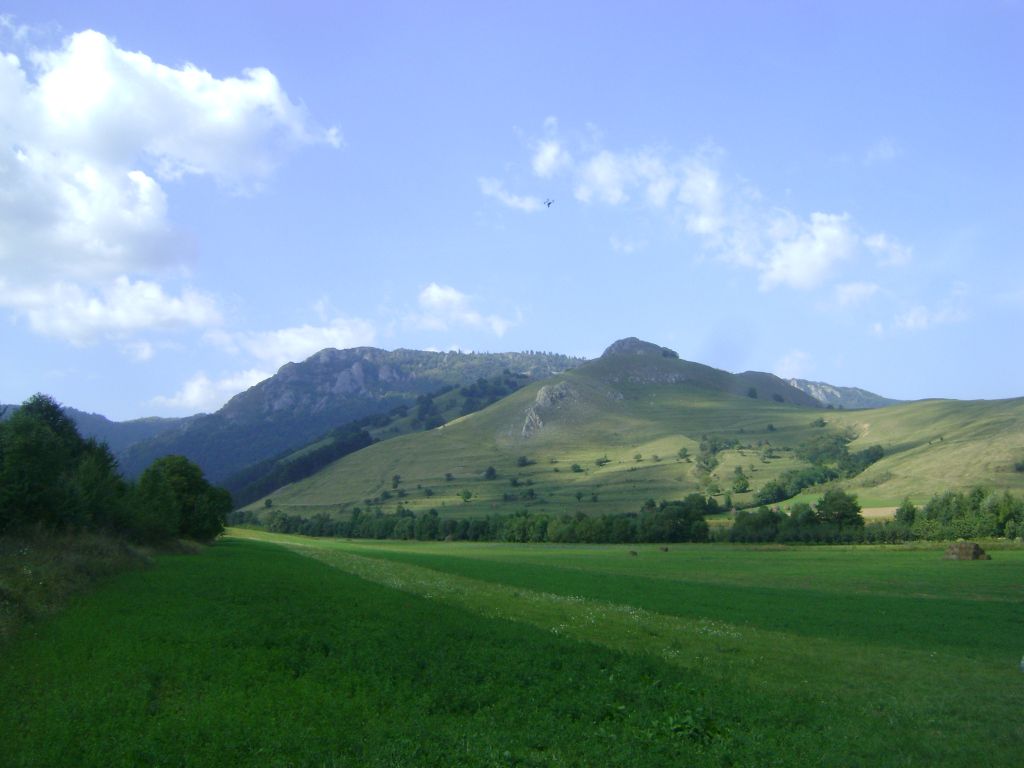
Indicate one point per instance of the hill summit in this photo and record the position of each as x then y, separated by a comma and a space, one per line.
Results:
635, 346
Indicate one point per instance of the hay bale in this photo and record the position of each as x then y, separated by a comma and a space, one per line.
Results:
965, 550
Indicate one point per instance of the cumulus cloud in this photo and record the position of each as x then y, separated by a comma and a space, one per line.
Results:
803, 252
549, 158
494, 188
442, 307
90, 136
202, 394
67, 311
294, 344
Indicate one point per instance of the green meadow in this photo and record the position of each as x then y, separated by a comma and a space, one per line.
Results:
273, 650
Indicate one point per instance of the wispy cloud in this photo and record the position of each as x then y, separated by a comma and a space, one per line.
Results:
202, 394
496, 189
855, 294
442, 307
882, 151
729, 218
284, 345
921, 318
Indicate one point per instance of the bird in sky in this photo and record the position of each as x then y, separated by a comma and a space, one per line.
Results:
548, 202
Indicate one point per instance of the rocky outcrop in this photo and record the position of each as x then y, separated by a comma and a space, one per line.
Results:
550, 397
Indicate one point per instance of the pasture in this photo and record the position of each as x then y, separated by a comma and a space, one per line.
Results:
277, 650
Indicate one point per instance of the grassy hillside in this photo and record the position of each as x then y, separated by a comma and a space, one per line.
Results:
608, 435
937, 444
623, 438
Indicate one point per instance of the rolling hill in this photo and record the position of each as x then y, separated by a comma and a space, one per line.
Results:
639, 423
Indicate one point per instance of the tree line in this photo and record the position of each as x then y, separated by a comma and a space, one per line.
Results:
665, 521
54, 479
947, 516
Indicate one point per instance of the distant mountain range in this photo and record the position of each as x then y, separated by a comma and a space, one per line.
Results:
306, 400
639, 423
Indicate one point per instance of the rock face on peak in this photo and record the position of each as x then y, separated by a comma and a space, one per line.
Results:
634, 346
842, 397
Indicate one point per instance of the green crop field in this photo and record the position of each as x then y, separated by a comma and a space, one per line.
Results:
272, 650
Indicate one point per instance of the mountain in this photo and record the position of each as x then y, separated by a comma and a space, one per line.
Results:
615, 430
640, 423
305, 400
119, 435
842, 397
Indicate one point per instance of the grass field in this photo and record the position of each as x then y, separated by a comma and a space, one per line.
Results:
274, 651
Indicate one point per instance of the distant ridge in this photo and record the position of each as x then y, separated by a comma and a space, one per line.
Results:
302, 401
842, 397
119, 435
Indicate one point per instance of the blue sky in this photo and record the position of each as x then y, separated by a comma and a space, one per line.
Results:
193, 194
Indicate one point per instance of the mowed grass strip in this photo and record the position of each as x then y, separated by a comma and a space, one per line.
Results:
825, 593
251, 655
871, 703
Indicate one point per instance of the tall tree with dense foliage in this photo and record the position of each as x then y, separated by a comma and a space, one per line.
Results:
199, 507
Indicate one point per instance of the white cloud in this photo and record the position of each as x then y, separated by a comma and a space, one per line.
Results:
201, 394
442, 307
803, 252
890, 252
731, 221
702, 195
90, 134
67, 311
549, 158
604, 176
286, 345
494, 188
793, 365
853, 294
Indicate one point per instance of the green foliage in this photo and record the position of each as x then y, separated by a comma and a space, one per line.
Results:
199, 508
490, 473
839, 508
761, 525
676, 520
740, 481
